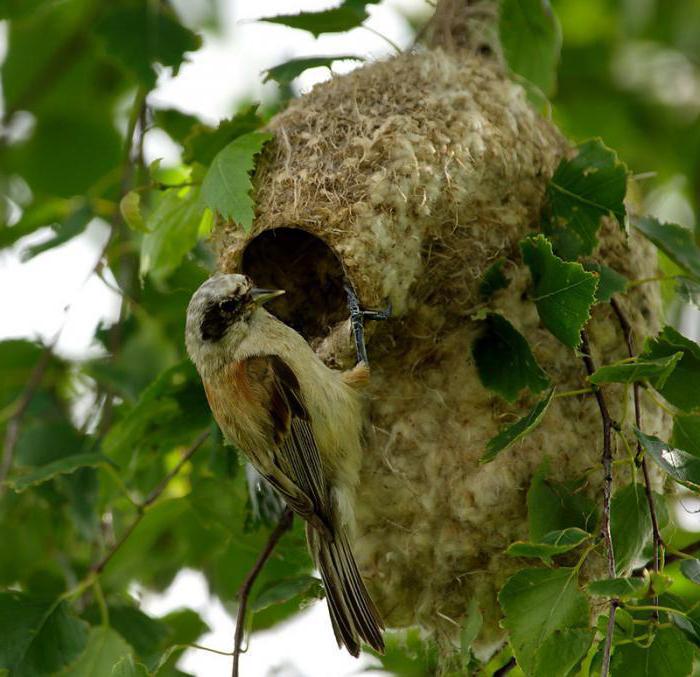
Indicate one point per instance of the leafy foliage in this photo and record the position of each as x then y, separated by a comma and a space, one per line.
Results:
284, 73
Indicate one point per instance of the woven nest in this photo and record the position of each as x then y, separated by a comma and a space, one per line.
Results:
410, 177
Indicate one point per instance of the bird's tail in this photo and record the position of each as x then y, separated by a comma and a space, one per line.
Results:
353, 613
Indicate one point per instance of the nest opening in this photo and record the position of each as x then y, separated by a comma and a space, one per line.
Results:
307, 269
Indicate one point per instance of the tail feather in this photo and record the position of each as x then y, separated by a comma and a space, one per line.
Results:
353, 614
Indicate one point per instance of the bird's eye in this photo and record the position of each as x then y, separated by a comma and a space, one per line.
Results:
229, 305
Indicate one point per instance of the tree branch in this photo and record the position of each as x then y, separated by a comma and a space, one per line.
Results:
284, 525
607, 495
98, 567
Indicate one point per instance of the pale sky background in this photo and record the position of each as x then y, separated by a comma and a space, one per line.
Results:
223, 72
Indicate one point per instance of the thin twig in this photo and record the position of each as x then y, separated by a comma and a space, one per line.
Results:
607, 495
505, 669
284, 525
150, 499
13, 425
639, 458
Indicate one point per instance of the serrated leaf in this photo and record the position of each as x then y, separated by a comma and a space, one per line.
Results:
679, 464
553, 543
582, 191
555, 506
537, 603
639, 369
620, 588
138, 34
690, 568
564, 292
512, 433
630, 526
676, 242
349, 15
531, 40
669, 654
63, 466
38, 636
504, 360
686, 433
226, 188
202, 143
105, 648
610, 282
307, 587
493, 279
681, 387
562, 651
173, 229
130, 208
284, 73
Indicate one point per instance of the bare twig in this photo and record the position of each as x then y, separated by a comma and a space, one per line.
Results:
639, 458
607, 495
505, 669
99, 566
13, 425
284, 525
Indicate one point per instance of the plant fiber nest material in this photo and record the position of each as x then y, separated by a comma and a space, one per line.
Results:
418, 172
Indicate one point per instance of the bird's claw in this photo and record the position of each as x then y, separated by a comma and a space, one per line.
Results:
357, 318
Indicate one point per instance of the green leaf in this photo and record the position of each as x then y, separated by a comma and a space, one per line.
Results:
127, 668
620, 588
537, 603
676, 242
680, 388
553, 543
139, 33
669, 654
610, 282
226, 187
471, 626
306, 587
202, 143
349, 15
63, 466
104, 650
173, 229
284, 73
637, 370
583, 190
564, 292
531, 39
690, 568
630, 526
176, 124
679, 464
504, 360
493, 279
512, 433
130, 208
686, 433
64, 231
556, 506
688, 290
38, 636
562, 651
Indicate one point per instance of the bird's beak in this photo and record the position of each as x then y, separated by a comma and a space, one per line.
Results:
261, 296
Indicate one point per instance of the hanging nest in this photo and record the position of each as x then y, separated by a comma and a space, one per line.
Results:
410, 177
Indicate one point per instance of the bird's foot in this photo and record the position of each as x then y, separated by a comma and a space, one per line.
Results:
357, 320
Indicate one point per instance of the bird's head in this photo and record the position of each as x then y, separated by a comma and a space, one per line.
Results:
220, 314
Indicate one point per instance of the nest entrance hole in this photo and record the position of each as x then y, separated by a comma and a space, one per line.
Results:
310, 273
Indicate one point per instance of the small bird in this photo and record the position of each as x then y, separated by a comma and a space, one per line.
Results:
300, 424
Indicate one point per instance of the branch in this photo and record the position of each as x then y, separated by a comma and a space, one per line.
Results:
629, 339
13, 425
505, 669
284, 525
607, 496
98, 567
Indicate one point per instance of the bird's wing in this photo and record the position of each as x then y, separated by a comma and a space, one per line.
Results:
296, 458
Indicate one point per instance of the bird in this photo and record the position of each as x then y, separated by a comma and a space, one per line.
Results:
300, 424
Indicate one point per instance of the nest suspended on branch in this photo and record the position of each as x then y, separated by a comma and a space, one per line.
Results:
410, 177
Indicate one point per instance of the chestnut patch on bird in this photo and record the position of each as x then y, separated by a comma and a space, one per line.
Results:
309, 272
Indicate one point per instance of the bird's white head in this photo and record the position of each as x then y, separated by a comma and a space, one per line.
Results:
219, 318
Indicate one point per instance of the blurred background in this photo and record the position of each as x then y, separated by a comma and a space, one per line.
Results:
72, 277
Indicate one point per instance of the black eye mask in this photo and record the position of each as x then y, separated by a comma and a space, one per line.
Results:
218, 317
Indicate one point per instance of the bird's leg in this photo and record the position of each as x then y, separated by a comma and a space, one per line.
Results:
357, 319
